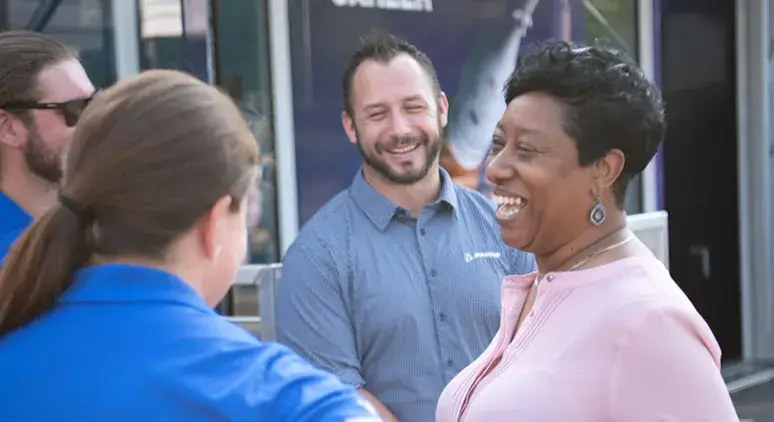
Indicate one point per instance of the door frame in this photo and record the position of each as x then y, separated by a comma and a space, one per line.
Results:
646, 57
126, 37
283, 122
754, 161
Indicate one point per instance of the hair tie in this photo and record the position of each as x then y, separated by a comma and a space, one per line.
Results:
84, 215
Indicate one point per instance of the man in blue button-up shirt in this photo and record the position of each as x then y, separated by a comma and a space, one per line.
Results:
43, 91
394, 285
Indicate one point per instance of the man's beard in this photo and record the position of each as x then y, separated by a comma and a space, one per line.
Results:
41, 161
380, 165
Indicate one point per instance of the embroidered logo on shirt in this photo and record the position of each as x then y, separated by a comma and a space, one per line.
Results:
481, 255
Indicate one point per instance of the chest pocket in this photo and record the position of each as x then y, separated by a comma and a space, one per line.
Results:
388, 292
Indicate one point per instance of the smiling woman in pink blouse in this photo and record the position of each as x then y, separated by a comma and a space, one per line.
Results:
601, 332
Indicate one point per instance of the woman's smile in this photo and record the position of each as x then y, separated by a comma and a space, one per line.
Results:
509, 207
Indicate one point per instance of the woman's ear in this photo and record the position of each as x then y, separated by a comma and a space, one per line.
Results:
609, 168
214, 226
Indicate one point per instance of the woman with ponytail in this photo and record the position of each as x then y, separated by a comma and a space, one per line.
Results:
106, 301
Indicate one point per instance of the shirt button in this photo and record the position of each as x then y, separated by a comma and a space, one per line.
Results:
422, 232
550, 277
442, 316
433, 273
449, 363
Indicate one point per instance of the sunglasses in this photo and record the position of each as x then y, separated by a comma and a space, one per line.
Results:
70, 110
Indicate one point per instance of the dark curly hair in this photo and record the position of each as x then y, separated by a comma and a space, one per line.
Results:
610, 103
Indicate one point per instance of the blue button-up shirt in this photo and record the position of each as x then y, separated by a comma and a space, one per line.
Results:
129, 343
395, 304
13, 221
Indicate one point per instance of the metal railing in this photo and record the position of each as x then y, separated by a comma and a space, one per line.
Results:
264, 278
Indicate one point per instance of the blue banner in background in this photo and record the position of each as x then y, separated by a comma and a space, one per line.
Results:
473, 44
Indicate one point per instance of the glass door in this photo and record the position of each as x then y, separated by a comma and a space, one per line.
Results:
224, 42
240, 61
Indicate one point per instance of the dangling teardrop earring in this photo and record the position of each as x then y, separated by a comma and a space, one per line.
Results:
597, 214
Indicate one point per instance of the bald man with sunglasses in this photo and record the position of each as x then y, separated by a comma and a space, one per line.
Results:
43, 91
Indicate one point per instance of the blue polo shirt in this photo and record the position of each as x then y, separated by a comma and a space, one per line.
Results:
130, 343
13, 221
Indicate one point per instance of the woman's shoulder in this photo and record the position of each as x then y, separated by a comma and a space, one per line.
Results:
640, 280
639, 293
647, 301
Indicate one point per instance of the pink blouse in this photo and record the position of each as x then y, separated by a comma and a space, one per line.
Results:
618, 342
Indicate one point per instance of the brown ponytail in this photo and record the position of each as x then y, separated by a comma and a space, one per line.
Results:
148, 159
40, 267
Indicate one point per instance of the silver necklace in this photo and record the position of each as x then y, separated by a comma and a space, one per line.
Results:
592, 255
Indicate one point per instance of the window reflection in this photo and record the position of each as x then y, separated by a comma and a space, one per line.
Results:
262, 237
174, 34
241, 63
83, 25
614, 23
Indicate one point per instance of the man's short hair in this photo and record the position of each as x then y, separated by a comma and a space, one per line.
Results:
383, 47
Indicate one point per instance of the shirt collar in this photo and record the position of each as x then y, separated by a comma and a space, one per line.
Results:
12, 216
130, 283
381, 210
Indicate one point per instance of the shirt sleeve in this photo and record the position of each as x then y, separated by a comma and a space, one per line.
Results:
521, 262
309, 394
666, 370
312, 315
216, 370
